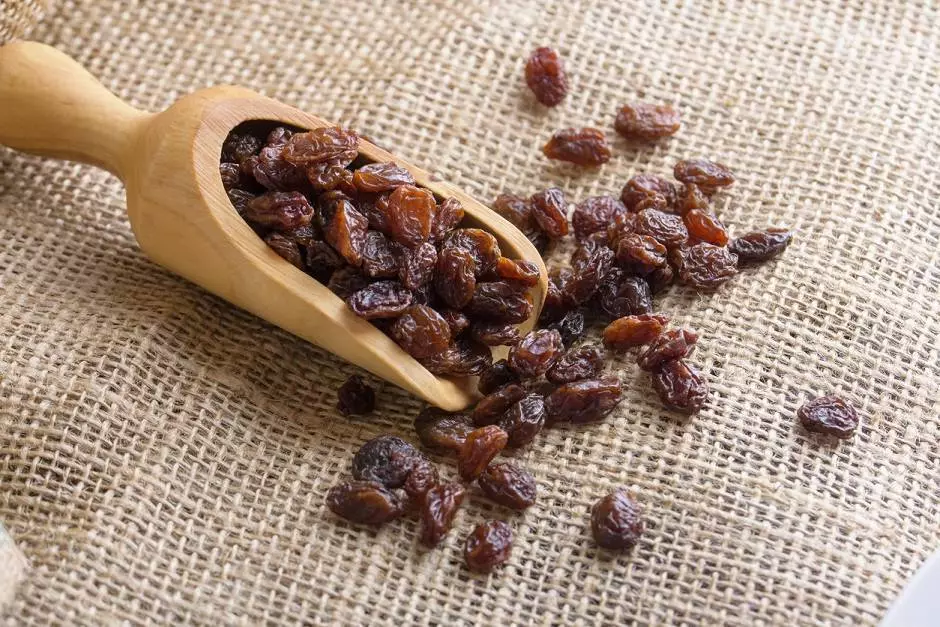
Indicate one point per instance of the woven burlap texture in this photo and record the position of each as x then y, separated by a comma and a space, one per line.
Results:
18, 16
164, 457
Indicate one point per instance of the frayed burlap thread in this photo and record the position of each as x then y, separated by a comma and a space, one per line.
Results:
164, 457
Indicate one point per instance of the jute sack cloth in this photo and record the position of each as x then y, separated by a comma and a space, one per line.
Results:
164, 457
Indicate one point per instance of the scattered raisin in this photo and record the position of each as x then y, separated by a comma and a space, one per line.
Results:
495, 334
421, 479
496, 376
643, 186
385, 460
580, 146
666, 346
489, 545
421, 332
549, 210
630, 331
589, 275
578, 363
382, 299
545, 76
646, 121
571, 326
365, 502
830, 415
355, 396
508, 485
381, 177
439, 508
535, 353
707, 175
479, 449
285, 247
622, 295
410, 214
595, 214
516, 209
680, 386
454, 278
587, 400
706, 266
760, 245
524, 420
499, 301
491, 407
279, 210
439, 429
667, 228
704, 226
617, 521
640, 254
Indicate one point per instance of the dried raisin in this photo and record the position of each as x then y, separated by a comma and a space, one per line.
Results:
535, 353
496, 376
385, 460
578, 363
524, 420
830, 415
760, 246
442, 430
454, 278
704, 226
680, 386
595, 214
646, 121
479, 449
644, 186
382, 299
355, 396
666, 346
545, 76
707, 175
495, 334
508, 485
438, 511
580, 146
706, 266
587, 400
346, 232
421, 332
549, 210
381, 177
410, 215
617, 521
630, 331
491, 407
489, 545
279, 210
365, 502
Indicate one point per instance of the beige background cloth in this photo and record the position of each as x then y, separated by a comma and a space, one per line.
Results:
164, 457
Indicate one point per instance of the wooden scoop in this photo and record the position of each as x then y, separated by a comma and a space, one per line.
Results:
182, 217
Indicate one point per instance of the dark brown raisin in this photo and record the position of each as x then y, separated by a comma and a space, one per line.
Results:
410, 214
285, 247
640, 254
239, 146
630, 331
271, 170
417, 265
830, 415
355, 396
556, 303
302, 236
346, 232
489, 545
516, 209
524, 420
589, 276
495, 334
645, 121
321, 257
587, 400
439, 429
595, 214
508, 485
454, 277
378, 257
667, 228
691, 197
456, 320
499, 301
496, 376
643, 186
438, 511
580, 146
666, 346
420, 480
707, 267
320, 145
365, 502
760, 245
624, 295
479, 449
521, 271
346, 281
585, 362
386, 460
231, 176
375, 208
660, 278
617, 521
482, 246
571, 326
545, 76
550, 212
680, 386
449, 214
240, 199
535, 353
491, 407
461, 359
381, 177
707, 175
421, 332
279, 210
330, 176
382, 299
704, 226
278, 136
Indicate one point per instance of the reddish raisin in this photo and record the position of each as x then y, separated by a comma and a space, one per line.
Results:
522, 272
580, 146
482, 247
705, 226
549, 210
680, 386
456, 320
365, 502
417, 266
231, 175
646, 121
508, 485
355, 396
420, 480
454, 279
495, 334
621, 226
329, 144
330, 176
706, 266
535, 353
382, 299
760, 245
585, 362
496, 376
587, 400
691, 197
491, 407
667, 228
498, 301
589, 276
622, 295
644, 186
279, 136
438, 511
479, 449
279, 210
386, 460
489, 545
381, 177
375, 208
617, 521
524, 420
449, 214
556, 303
438, 429
545, 76
707, 175
830, 415
515, 209
346, 232
421, 331
285, 247
595, 214
378, 257
666, 346
239, 146
571, 326
640, 254
630, 331
240, 199
410, 214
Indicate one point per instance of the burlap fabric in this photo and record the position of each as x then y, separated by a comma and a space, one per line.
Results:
164, 457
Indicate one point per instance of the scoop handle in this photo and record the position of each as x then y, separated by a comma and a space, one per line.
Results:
51, 106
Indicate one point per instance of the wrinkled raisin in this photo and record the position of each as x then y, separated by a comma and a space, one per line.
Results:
587, 278
279, 136
706, 266
707, 175
535, 353
624, 295
499, 301
240, 199
381, 177
578, 363
375, 208
421, 332
320, 145
508, 485
285, 247
449, 214
491, 407
231, 175
438, 511
495, 334
660, 278
239, 146
347, 281
482, 247
321, 257
271, 170
545, 76
365, 502
617, 521
489, 545
549, 210
644, 186
667, 228
640, 254
454, 279
329, 176
524, 420
630, 331
830, 415
516, 209
410, 214
580, 146
462, 358
417, 265
587, 400
496, 376
760, 245
382, 299
479, 449
520, 271
346, 232
571, 326
355, 396
556, 303
666, 346
439, 429
378, 257
421, 479
680, 386
646, 121
691, 197
386, 460
595, 214
279, 210
704, 226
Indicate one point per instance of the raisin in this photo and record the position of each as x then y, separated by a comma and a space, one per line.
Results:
705, 226
660, 278
482, 247
508, 485
378, 258
622, 225
420, 480
239, 146
231, 175
279, 136
329, 144
496, 376
346, 232
545, 76
417, 265
498, 301
640, 254
691, 197
646, 121
479, 449
410, 214
571, 326
523, 272
439, 429
302, 235
643, 186
240, 199
667, 228
580, 146
375, 208
549, 210
279, 210
535, 353
449, 214
355, 396
321, 255
495, 334
830, 415
587, 400
454, 279
556, 303
381, 177
680, 386
760, 245
385, 460
585, 362
438, 511
421, 332
515, 209
489, 545
346, 281
595, 214
706, 266
283, 246
707, 175
588, 278
622, 295
524, 420
364, 502
630, 331
491, 407
382, 299
456, 320
666, 346
462, 359
617, 521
